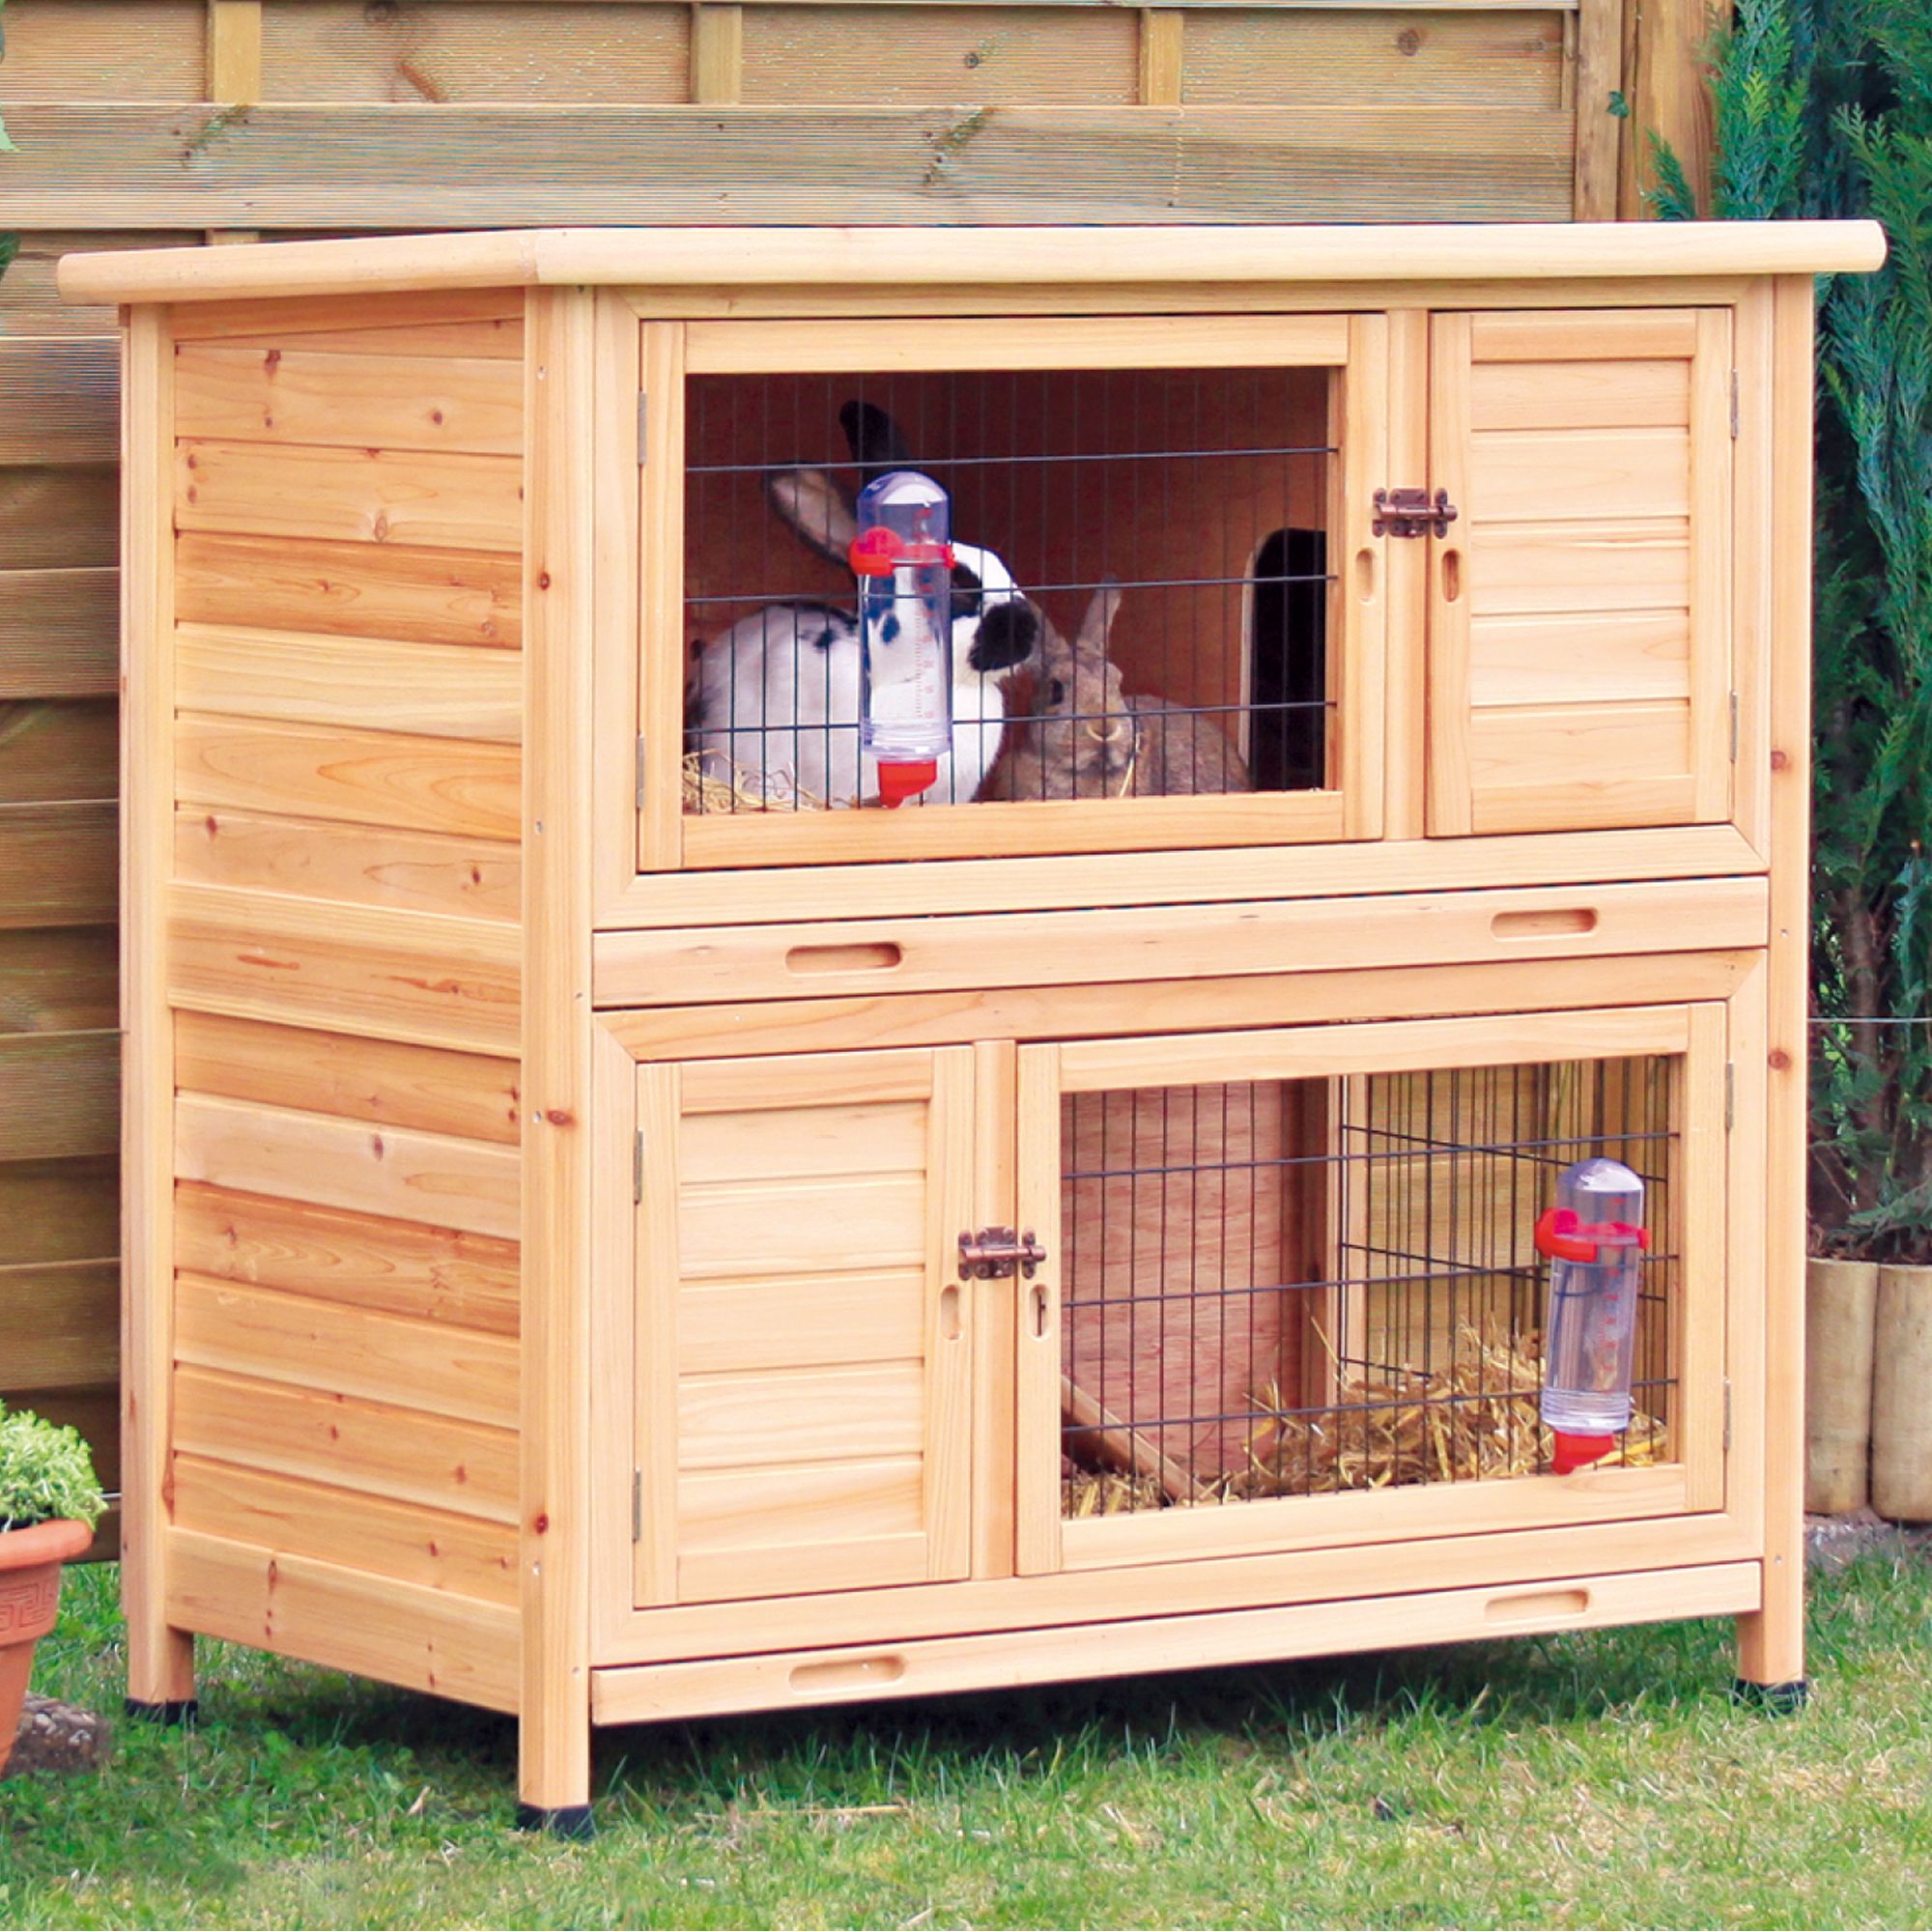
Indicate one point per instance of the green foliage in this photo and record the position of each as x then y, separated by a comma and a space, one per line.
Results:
1824, 107
46, 1474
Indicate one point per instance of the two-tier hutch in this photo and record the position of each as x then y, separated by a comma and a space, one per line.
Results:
622, 1227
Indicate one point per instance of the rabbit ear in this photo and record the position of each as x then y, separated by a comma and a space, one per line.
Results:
877, 446
809, 501
1096, 623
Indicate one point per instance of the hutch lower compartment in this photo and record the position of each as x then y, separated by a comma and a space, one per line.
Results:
623, 1226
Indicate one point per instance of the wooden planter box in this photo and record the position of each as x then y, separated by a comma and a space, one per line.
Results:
546, 1198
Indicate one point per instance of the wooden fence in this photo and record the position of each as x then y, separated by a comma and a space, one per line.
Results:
144, 122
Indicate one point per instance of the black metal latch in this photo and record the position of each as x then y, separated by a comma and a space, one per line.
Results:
995, 1254
1412, 513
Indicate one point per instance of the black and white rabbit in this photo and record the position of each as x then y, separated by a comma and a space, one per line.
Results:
773, 702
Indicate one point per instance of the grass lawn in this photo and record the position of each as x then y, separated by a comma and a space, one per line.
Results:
1583, 1780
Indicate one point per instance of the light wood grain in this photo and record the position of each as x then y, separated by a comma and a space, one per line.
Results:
945, 257
460, 787
398, 1453
468, 1094
442, 691
350, 589
561, 407
397, 1632
438, 501
161, 1657
438, 1549
360, 864
273, 1336
995, 948
773, 1322
450, 982
394, 1172
796, 1678
363, 1261
235, 393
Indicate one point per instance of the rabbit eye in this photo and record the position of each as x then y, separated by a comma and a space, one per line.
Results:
1055, 692
967, 598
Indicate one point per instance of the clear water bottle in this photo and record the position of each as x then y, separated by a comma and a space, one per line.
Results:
1595, 1238
903, 561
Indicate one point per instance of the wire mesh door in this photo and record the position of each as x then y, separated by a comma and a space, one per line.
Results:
1146, 610
1279, 1284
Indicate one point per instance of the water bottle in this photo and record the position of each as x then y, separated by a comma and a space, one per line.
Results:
1595, 1238
903, 561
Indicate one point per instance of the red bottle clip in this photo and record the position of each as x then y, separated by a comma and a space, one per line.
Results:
1578, 1452
1562, 1234
906, 780
879, 552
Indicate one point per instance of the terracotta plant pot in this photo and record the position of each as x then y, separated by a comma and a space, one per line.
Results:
30, 1580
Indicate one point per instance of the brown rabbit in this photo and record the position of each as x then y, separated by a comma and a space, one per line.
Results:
1087, 739
1079, 739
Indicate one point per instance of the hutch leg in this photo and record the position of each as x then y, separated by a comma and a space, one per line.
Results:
1770, 1641
553, 1782
160, 1666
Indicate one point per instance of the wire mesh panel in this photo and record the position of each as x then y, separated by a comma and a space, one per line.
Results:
1287, 1289
1141, 590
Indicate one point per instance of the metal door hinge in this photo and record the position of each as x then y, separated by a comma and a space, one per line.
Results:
644, 408
641, 772
638, 1167
1727, 1412
1734, 727
995, 1254
1730, 1094
636, 1505
1734, 406
1411, 513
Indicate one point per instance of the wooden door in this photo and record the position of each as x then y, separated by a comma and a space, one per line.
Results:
1579, 604
804, 1361
1291, 1298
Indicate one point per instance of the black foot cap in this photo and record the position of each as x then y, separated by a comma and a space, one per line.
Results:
576, 1821
1777, 1700
174, 1710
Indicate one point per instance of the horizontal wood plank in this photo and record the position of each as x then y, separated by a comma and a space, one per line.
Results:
802, 1226
60, 1325
398, 1453
277, 1337
281, 318
61, 979
727, 1328
54, 750
361, 864
61, 1209
60, 1094
427, 166
461, 786
1580, 395
60, 519
428, 500
345, 1619
59, 632
61, 865
242, 393
442, 691
472, 1095
394, 1172
1635, 564
73, 51
1575, 658
346, 968
363, 1261
60, 397
1585, 476
350, 589
461, 1555
804, 1415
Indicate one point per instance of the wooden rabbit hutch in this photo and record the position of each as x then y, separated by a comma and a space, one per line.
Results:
624, 1227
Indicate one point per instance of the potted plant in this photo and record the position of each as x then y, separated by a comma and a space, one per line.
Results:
50, 1503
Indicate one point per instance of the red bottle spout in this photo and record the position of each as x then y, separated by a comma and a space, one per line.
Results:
899, 783
1578, 1452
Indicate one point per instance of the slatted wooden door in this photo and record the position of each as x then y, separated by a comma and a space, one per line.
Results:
1580, 605
803, 1353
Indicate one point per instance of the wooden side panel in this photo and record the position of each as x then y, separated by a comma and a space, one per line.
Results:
804, 1417
1579, 611
337, 856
